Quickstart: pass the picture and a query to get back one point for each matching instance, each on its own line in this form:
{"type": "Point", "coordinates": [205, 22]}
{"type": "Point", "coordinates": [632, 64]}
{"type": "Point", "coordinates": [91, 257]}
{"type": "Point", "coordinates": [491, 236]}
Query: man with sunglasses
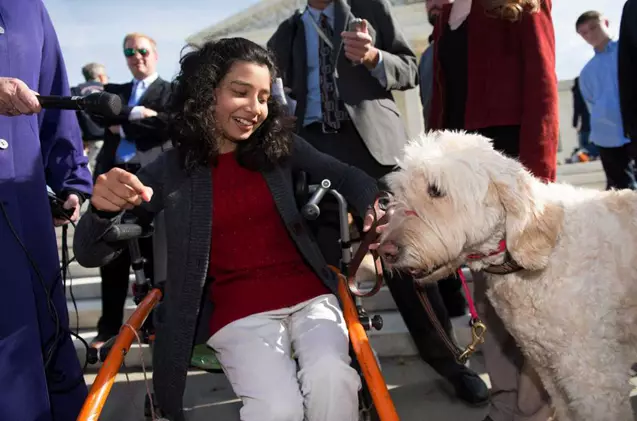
{"type": "Point", "coordinates": [133, 139]}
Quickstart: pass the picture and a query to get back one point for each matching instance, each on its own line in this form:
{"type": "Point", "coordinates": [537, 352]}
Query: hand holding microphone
{"type": "Point", "coordinates": [16, 98]}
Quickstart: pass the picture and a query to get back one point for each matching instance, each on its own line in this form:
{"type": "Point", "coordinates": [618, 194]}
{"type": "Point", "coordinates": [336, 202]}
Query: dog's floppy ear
{"type": "Point", "coordinates": [532, 227]}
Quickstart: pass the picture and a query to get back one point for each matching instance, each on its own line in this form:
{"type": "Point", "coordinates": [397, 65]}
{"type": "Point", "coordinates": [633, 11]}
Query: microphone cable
{"type": "Point", "coordinates": [49, 351]}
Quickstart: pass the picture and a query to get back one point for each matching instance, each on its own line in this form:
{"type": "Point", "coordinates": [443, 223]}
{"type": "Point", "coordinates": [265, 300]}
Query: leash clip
{"type": "Point", "coordinates": [478, 330]}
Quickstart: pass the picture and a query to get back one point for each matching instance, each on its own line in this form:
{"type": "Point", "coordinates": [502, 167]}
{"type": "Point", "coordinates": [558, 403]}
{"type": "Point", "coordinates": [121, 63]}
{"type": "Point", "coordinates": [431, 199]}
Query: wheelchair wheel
{"type": "Point", "coordinates": [366, 409]}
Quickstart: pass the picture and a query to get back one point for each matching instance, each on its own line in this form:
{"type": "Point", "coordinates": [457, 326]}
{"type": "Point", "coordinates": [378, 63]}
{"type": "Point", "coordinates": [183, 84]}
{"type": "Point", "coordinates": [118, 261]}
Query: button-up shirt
{"type": "Point", "coordinates": [599, 87]}
{"type": "Point", "coordinates": [126, 150]}
{"type": "Point", "coordinates": [313, 111]}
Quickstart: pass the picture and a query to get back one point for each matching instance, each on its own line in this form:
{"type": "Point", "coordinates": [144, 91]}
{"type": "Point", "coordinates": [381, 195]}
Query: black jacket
{"type": "Point", "coordinates": [627, 68]}
{"type": "Point", "coordinates": [148, 134]}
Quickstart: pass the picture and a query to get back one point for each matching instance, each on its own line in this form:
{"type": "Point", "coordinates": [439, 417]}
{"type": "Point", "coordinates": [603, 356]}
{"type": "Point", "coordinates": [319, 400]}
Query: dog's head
{"type": "Point", "coordinates": [456, 196]}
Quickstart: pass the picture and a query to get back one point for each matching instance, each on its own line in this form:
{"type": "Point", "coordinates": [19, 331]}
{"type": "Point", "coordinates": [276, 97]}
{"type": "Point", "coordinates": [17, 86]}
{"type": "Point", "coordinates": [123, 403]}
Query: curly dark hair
{"type": "Point", "coordinates": [192, 126]}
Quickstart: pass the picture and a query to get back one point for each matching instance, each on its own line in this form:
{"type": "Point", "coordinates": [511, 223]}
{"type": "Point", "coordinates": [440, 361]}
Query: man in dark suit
{"type": "Point", "coordinates": [133, 139]}
{"type": "Point", "coordinates": [343, 81]}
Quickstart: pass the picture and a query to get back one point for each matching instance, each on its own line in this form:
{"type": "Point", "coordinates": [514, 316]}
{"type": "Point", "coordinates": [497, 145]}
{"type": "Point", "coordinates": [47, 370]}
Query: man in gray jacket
{"type": "Point", "coordinates": [342, 81]}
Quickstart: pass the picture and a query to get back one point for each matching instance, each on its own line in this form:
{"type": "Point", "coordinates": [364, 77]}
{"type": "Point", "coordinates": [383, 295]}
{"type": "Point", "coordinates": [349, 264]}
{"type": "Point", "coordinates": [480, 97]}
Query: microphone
{"type": "Point", "coordinates": [100, 103]}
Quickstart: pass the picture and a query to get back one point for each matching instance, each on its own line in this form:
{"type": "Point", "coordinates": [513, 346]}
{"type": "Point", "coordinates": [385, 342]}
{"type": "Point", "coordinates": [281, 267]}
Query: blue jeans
{"type": "Point", "coordinates": [584, 143]}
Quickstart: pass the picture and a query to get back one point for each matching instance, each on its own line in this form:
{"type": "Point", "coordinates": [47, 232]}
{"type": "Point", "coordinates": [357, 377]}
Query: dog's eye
{"type": "Point", "coordinates": [434, 191]}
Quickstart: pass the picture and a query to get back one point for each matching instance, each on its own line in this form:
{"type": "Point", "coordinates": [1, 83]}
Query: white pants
{"type": "Point", "coordinates": [258, 355]}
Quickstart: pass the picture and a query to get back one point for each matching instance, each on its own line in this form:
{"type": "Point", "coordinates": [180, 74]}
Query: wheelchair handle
{"type": "Point", "coordinates": [311, 210]}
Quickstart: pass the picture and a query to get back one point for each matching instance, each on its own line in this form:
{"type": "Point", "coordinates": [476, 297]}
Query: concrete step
{"type": "Point", "coordinates": [76, 271]}
{"type": "Point", "coordinates": [87, 288]}
{"type": "Point", "coordinates": [138, 352]}
{"type": "Point", "coordinates": [566, 170]}
{"type": "Point", "coordinates": [583, 174]}
{"type": "Point", "coordinates": [90, 310]}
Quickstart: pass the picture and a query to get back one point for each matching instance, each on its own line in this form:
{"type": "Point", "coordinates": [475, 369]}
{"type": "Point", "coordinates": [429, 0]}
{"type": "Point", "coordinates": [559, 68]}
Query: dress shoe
{"type": "Point", "coordinates": [470, 388]}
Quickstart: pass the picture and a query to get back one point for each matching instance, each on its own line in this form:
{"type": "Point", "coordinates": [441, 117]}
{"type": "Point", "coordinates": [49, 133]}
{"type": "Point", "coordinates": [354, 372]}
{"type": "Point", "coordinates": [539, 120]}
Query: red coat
{"type": "Point", "coordinates": [512, 81]}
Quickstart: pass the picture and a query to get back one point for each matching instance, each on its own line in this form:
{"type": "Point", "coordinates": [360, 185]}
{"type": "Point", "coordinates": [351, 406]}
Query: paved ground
{"type": "Point", "coordinates": [417, 391]}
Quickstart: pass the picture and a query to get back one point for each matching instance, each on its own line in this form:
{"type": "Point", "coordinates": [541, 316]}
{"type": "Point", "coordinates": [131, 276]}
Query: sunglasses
{"type": "Point", "coordinates": [130, 52]}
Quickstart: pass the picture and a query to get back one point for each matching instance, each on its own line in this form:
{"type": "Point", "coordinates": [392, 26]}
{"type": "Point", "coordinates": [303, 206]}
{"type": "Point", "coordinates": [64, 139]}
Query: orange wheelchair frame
{"type": "Point", "coordinates": [357, 321]}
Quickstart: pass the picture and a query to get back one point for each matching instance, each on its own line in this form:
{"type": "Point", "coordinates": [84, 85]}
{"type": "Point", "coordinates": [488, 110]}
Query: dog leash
{"type": "Point", "coordinates": [361, 252]}
{"type": "Point", "coordinates": [478, 328]}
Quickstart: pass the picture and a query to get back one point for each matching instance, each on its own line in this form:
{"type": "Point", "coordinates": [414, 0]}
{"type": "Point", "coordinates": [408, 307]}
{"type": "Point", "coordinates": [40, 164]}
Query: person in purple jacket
{"type": "Point", "coordinates": [40, 376]}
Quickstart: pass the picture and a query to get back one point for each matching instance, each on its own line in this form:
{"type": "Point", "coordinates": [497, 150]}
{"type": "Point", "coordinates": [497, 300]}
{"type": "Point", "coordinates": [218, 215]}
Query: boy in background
{"type": "Point", "coordinates": [599, 87]}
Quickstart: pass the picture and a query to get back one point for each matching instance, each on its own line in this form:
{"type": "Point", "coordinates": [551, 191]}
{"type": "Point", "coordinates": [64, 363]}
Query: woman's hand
{"type": "Point", "coordinates": [16, 98]}
{"type": "Point", "coordinates": [118, 190]}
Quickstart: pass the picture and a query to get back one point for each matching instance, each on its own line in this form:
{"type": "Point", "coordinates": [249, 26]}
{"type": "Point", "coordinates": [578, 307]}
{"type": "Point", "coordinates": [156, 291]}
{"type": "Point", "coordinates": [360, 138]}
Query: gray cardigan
{"type": "Point", "coordinates": [183, 315]}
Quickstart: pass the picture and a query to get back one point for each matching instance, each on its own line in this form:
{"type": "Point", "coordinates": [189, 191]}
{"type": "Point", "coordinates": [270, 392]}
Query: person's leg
{"type": "Point", "coordinates": [115, 281]}
{"type": "Point", "coordinates": [321, 345]}
{"type": "Point", "coordinates": [146, 249]}
{"type": "Point", "coordinates": [585, 143]}
{"type": "Point", "coordinates": [256, 355]}
{"type": "Point", "coordinates": [619, 168]}
{"type": "Point", "coordinates": [452, 296]}
{"type": "Point", "coordinates": [516, 395]}
{"type": "Point", "coordinates": [468, 385]}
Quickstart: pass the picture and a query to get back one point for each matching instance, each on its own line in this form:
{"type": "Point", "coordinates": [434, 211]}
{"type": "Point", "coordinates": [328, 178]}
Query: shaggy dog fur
{"type": "Point", "coordinates": [573, 308]}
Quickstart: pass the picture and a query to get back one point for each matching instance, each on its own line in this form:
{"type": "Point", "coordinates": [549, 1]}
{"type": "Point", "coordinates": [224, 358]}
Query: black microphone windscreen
{"type": "Point", "coordinates": [102, 103]}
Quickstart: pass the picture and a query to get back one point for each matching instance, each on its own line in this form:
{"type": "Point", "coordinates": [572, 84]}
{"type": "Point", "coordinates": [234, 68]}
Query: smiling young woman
{"type": "Point", "coordinates": [244, 273]}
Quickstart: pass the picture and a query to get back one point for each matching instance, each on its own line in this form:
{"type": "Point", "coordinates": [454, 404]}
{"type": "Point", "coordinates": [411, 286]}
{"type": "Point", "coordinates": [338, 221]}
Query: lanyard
{"type": "Point", "coordinates": [320, 32]}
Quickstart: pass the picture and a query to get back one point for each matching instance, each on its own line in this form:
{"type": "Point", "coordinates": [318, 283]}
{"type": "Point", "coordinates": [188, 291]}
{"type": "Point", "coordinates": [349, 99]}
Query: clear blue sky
{"type": "Point", "coordinates": [91, 30]}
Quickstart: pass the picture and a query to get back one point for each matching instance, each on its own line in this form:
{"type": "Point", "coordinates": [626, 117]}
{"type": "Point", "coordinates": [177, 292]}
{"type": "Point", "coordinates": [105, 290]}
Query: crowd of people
{"type": "Point", "coordinates": [210, 159]}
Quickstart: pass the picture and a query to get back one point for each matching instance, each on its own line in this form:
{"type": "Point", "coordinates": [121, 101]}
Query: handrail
{"type": "Point", "coordinates": [94, 403]}
{"type": "Point", "coordinates": [364, 354]}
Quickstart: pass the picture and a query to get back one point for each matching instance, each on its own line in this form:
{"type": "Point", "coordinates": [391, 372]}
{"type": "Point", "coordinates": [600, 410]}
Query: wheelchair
{"type": "Point", "coordinates": [375, 403]}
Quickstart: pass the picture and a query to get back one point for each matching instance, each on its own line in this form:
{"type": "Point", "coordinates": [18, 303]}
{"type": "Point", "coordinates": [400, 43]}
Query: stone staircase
{"type": "Point", "coordinates": [392, 341]}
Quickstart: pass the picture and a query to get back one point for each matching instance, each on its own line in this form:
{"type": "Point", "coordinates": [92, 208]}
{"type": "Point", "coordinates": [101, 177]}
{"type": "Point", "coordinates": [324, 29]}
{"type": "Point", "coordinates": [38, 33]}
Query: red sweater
{"type": "Point", "coordinates": [254, 263]}
{"type": "Point", "coordinates": [511, 81]}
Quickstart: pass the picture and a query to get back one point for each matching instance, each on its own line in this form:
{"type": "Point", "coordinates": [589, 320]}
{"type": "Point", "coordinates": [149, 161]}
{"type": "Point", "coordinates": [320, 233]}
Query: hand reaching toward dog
{"type": "Point", "coordinates": [118, 190]}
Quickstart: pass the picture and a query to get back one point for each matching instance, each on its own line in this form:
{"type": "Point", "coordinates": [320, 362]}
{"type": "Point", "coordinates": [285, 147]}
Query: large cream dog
{"type": "Point", "coordinates": [573, 306]}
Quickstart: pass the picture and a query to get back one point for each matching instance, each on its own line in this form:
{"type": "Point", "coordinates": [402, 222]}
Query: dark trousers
{"type": "Point", "coordinates": [619, 167]}
{"type": "Point", "coordinates": [348, 147]}
{"type": "Point", "coordinates": [115, 283]}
